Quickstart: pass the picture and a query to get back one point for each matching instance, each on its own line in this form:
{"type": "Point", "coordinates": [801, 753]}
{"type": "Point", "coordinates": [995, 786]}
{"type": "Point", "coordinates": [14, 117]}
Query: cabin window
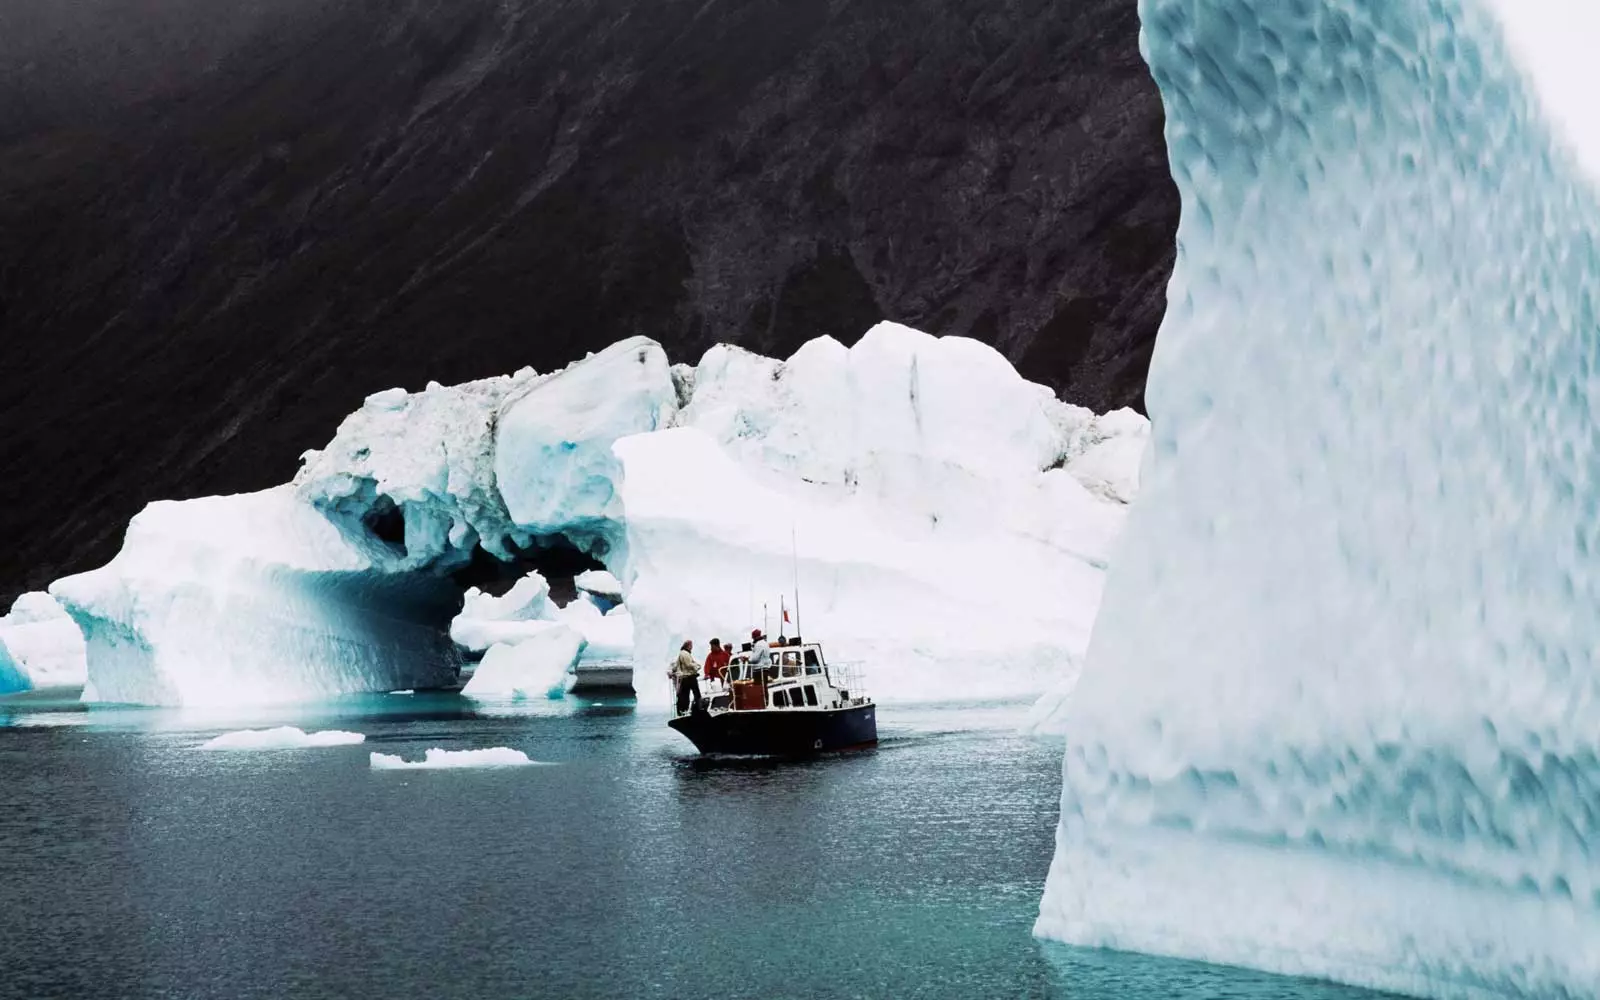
{"type": "Point", "coordinates": [780, 699]}
{"type": "Point", "coordinates": [813, 665]}
{"type": "Point", "coordinates": [811, 695]}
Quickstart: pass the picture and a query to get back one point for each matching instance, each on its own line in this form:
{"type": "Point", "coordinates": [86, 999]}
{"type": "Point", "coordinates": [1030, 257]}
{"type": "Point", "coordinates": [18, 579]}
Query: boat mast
{"type": "Point", "coordinates": [794, 547]}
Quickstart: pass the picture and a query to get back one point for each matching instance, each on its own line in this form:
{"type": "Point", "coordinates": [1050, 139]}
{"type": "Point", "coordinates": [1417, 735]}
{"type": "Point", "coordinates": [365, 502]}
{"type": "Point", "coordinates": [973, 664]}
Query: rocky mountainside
{"type": "Point", "coordinates": [223, 222]}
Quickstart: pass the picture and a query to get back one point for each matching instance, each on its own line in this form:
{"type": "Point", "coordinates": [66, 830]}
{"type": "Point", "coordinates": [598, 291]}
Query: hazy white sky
{"type": "Point", "coordinates": [1558, 45]}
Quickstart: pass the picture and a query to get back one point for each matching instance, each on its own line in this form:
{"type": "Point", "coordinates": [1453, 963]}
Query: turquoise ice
{"type": "Point", "coordinates": [1341, 711]}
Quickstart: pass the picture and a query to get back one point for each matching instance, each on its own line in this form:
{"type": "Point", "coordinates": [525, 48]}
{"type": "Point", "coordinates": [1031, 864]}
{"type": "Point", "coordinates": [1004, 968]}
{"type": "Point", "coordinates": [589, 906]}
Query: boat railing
{"type": "Point", "coordinates": [850, 678]}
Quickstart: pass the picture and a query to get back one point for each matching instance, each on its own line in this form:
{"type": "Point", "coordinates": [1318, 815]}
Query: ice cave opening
{"type": "Point", "coordinates": [557, 558]}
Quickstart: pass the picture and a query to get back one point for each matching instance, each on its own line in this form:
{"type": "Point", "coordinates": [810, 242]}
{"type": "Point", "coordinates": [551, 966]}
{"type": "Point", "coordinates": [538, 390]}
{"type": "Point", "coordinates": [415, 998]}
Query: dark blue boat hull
{"type": "Point", "coordinates": [780, 732]}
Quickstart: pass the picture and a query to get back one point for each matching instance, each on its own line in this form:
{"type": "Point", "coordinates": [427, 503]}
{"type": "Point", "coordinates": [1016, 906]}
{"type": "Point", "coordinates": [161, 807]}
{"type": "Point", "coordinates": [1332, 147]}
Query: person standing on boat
{"type": "Point", "coordinates": [717, 660]}
{"type": "Point", "coordinates": [688, 674]}
{"type": "Point", "coordinates": [760, 656]}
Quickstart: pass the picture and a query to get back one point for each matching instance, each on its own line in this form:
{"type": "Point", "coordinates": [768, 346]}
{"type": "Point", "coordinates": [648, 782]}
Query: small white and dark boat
{"type": "Point", "coordinates": [797, 705]}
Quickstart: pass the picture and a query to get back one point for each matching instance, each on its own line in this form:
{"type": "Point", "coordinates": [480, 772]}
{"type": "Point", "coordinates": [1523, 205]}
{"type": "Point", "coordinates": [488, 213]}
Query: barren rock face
{"type": "Point", "coordinates": [223, 224]}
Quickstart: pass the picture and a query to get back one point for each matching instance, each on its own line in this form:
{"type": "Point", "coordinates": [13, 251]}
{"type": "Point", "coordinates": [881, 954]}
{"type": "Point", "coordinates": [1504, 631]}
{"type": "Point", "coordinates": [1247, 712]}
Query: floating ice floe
{"type": "Point", "coordinates": [531, 668]}
{"type": "Point", "coordinates": [437, 759]}
{"type": "Point", "coordinates": [280, 738]}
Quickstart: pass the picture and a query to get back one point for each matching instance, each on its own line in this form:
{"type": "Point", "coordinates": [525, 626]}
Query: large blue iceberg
{"type": "Point", "coordinates": [1341, 711]}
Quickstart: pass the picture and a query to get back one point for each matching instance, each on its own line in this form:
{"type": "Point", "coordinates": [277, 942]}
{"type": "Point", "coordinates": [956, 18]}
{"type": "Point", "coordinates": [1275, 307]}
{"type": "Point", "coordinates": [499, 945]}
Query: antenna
{"type": "Point", "coordinates": [794, 547]}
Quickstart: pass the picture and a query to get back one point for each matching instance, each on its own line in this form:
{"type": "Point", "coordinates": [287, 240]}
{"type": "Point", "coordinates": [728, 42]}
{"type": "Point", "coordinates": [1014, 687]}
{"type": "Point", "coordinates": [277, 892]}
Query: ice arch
{"type": "Point", "coordinates": [943, 507]}
{"type": "Point", "coordinates": [1341, 713]}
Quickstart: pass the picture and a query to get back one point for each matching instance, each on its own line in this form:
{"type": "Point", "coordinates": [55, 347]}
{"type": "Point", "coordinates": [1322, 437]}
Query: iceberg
{"type": "Point", "coordinates": [1339, 716]}
{"type": "Point", "coordinates": [949, 522]}
{"type": "Point", "coordinates": [553, 461]}
{"type": "Point", "coordinates": [924, 495]}
{"type": "Point", "coordinates": [409, 478]}
{"type": "Point", "coordinates": [601, 584]}
{"type": "Point", "coordinates": [523, 612]}
{"type": "Point", "coordinates": [40, 646]}
{"type": "Point", "coordinates": [281, 738]}
{"type": "Point", "coordinates": [531, 668]}
{"type": "Point", "coordinates": [253, 599]}
{"type": "Point", "coordinates": [435, 759]}
{"type": "Point", "coordinates": [892, 592]}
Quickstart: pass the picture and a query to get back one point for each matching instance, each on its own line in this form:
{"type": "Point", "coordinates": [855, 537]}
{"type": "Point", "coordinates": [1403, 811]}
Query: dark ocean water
{"type": "Point", "coordinates": [134, 865]}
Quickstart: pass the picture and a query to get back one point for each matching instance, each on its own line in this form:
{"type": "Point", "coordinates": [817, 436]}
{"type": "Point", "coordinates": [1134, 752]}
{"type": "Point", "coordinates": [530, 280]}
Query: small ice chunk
{"type": "Point", "coordinates": [527, 600]}
{"type": "Point", "coordinates": [531, 668]}
{"type": "Point", "coordinates": [388, 399]}
{"type": "Point", "coordinates": [437, 759]}
{"type": "Point", "coordinates": [599, 583]}
{"type": "Point", "coordinates": [281, 738]}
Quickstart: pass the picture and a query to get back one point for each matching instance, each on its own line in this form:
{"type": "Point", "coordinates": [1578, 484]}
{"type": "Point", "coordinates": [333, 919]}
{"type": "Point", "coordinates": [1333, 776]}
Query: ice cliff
{"type": "Point", "coordinates": [949, 521]}
{"type": "Point", "coordinates": [1340, 713]}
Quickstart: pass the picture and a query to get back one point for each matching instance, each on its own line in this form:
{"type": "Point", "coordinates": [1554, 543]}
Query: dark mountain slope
{"type": "Point", "coordinates": [216, 240]}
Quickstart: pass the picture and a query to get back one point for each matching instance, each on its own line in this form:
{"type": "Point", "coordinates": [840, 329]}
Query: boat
{"type": "Point", "coordinates": [602, 676]}
{"type": "Point", "coordinates": [798, 705]}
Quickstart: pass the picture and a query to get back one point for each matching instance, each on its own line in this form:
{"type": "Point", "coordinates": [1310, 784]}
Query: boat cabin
{"type": "Point", "coordinates": [799, 677]}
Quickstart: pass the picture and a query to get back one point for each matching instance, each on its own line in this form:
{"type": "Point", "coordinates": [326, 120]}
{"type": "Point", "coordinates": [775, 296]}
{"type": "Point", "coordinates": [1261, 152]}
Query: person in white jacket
{"type": "Point", "coordinates": [760, 655]}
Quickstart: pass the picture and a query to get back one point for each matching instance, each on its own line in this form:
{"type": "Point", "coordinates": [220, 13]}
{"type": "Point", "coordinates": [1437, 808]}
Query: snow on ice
{"type": "Point", "coordinates": [435, 759]}
{"type": "Point", "coordinates": [952, 522]}
{"type": "Point", "coordinates": [40, 646]}
{"type": "Point", "coordinates": [281, 738]}
{"type": "Point", "coordinates": [601, 584]}
{"type": "Point", "coordinates": [1339, 716]}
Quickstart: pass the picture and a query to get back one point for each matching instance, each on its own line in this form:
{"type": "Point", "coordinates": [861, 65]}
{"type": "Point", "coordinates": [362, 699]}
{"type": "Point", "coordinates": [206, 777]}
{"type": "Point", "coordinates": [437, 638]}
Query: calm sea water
{"type": "Point", "coordinates": [134, 865]}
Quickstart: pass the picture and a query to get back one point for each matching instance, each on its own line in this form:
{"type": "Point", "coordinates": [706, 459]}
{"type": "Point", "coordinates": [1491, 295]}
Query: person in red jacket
{"type": "Point", "coordinates": [717, 660]}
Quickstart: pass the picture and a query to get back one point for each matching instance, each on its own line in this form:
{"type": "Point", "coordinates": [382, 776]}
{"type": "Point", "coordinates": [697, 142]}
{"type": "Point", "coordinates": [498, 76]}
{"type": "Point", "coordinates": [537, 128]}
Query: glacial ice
{"type": "Point", "coordinates": [607, 636]}
{"type": "Point", "coordinates": [1339, 717]}
{"type": "Point", "coordinates": [435, 759]}
{"type": "Point", "coordinates": [553, 462]}
{"type": "Point", "coordinates": [924, 492]}
{"type": "Point", "coordinates": [281, 738]}
{"type": "Point", "coordinates": [40, 646]}
{"type": "Point", "coordinates": [952, 522]}
{"type": "Point", "coordinates": [904, 596]}
{"type": "Point", "coordinates": [425, 462]}
{"type": "Point", "coordinates": [520, 613]}
{"type": "Point", "coordinates": [253, 599]}
{"type": "Point", "coordinates": [536, 667]}
{"type": "Point", "coordinates": [599, 583]}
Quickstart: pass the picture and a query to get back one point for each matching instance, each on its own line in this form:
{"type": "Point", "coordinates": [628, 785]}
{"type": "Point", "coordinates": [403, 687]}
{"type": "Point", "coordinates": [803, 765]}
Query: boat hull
{"type": "Point", "coordinates": [781, 732]}
{"type": "Point", "coordinates": [602, 676]}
